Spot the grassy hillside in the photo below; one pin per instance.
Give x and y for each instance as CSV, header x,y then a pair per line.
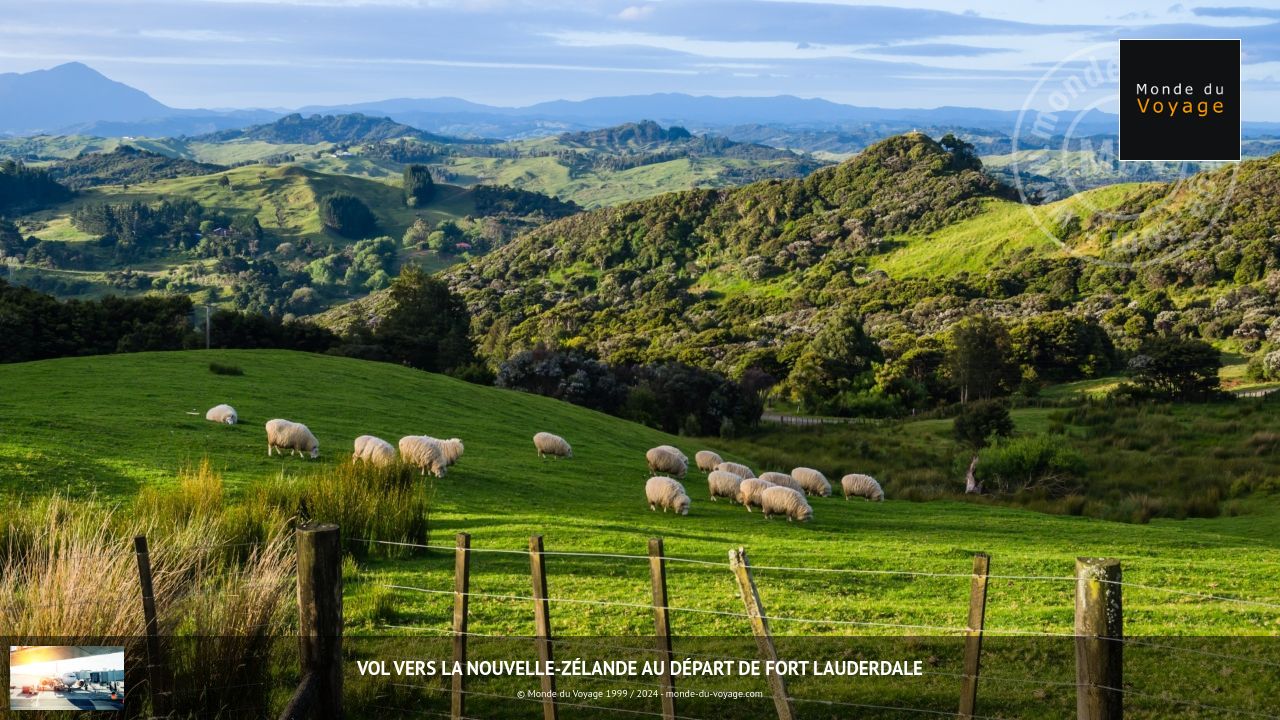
x,y
102,427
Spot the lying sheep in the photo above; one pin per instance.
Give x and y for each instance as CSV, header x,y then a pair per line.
x,y
707,460
552,445
813,482
749,491
222,414
863,486
665,493
373,450
424,453
666,459
785,501
723,484
783,479
452,450
295,437
738,469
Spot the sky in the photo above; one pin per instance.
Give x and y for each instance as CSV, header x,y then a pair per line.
x,y
109,661
903,53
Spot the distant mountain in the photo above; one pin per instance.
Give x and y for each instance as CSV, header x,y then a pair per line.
x,y
348,128
67,95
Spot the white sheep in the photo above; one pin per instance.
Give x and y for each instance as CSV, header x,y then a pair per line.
x,y
749,491
552,445
707,460
666,459
666,493
785,501
783,479
813,482
222,414
424,453
677,451
373,450
723,484
863,486
738,469
452,450
295,437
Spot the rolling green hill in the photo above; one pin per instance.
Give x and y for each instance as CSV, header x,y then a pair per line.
x,y
140,419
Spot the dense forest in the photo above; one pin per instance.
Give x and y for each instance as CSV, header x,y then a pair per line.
x,y
772,278
25,189
127,165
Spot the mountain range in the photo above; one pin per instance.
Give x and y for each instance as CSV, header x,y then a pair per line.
x,y
73,98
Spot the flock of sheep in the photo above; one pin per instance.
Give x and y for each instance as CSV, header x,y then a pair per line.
x,y
775,493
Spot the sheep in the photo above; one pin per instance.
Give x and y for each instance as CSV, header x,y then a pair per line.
x,y
373,450
424,453
863,486
749,491
813,482
676,451
738,469
663,459
707,460
666,493
222,414
723,484
295,437
785,501
552,445
783,479
452,450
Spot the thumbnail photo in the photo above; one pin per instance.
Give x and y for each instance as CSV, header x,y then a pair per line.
x,y
66,677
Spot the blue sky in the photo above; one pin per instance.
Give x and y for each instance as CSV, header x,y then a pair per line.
x,y
910,53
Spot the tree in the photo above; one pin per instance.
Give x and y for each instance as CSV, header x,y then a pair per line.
x,y
980,358
974,427
1174,368
427,326
839,353
347,215
418,186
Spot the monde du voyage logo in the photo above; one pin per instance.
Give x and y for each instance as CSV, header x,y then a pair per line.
x,y
1179,100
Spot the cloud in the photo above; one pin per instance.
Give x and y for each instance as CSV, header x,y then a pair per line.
x,y
635,12
937,50
1238,11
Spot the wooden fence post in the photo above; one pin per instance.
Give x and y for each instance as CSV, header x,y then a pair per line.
x,y
1099,640
155,661
320,621
461,588
973,636
760,627
542,627
662,626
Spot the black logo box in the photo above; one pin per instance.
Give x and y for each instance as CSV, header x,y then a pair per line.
x,y
1185,65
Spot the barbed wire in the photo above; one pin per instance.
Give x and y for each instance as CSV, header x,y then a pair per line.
x,y
559,553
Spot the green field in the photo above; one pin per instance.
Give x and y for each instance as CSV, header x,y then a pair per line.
x,y
101,428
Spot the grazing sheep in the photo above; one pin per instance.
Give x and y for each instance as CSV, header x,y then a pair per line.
x,y
668,494
813,482
373,450
863,486
666,459
749,492
785,501
222,414
424,453
677,451
783,479
295,437
707,460
452,450
552,445
723,484
738,469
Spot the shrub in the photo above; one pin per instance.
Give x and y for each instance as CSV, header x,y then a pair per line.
x,y
1033,463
